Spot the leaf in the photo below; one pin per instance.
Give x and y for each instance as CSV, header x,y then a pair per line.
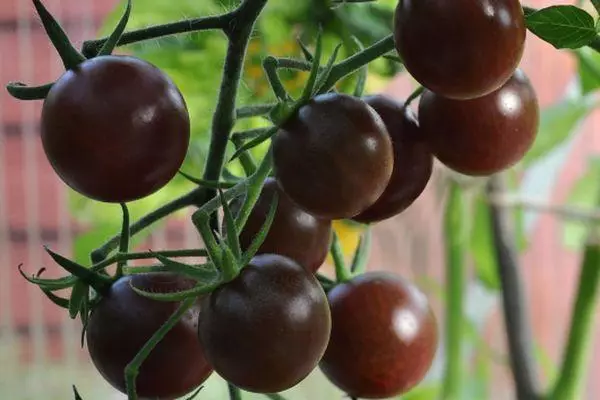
x,y
114,38
204,272
564,27
557,123
589,69
482,247
262,234
583,195
21,91
78,296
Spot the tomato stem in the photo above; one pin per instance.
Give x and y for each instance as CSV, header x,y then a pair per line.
x,y
92,47
248,163
270,66
577,353
124,241
518,329
456,241
132,369
414,95
253,111
234,392
361,254
341,272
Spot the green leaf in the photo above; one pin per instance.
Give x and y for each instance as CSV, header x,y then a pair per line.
x,y
69,55
482,246
114,37
86,275
424,392
21,91
59,301
49,284
327,71
262,234
564,27
206,272
557,123
254,142
78,296
361,254
583,195
230,230
589,69
312,79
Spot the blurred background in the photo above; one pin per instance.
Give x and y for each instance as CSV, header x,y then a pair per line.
x,y
40,352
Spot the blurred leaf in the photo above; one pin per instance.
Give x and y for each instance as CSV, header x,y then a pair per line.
x,y
424,392
589,69
562,26
482,246
557,123
583,195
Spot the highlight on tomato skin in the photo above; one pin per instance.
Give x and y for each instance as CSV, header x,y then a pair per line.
x,y
294,233
413,161
122,323
115,128
333,157
384,336
460,49
482,136
266,330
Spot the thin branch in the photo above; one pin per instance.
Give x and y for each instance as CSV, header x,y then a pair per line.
x,y
566,212
516,317
91,47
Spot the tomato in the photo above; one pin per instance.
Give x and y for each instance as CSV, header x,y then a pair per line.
x,y
267,329
294,233
115,128
333,157
383,338
485,135
122,323
413,161
462,48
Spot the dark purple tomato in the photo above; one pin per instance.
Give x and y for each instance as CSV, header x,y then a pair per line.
x,y
115,128
294,233
333,157
266,330
485,135
413,161
122,323
383,338
460,49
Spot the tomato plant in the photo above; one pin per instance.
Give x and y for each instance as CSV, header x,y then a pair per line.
x,y
294,233
383,338
122,323
266,330
103,122
334,156
252,306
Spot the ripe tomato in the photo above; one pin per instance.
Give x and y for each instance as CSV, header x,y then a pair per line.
x,y
334,157
123,322
383,339
115,128
267,329
294,233
485,135
462,48
413,161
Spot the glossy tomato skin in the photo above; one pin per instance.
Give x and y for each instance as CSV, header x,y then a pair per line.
x,y
482,136
460,49
413,161
294,233
266,330
383,339
115,128
334,157
123,322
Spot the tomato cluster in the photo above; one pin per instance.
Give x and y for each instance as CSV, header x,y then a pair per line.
x,y
335,157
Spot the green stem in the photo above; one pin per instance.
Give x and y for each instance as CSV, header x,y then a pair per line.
x,y
358,60
253,111
148,255
132,369
414,95
577,354
224,117
92,47
184,201
248,163
341,272
455,235
270,66
234,392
